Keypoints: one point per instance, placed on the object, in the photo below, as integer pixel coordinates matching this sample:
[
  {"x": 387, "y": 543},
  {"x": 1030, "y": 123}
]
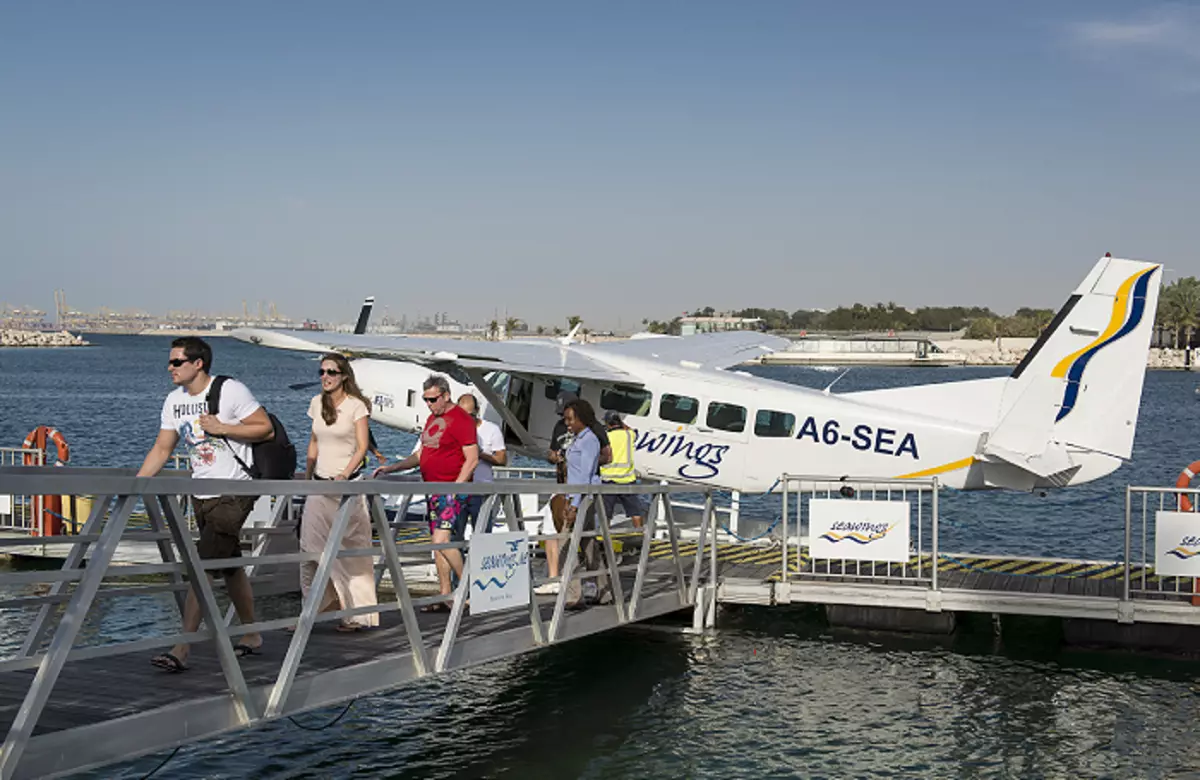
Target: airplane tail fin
[
  {"x": 1079, "y": 388},
  {"x": 364, "y": 315}
]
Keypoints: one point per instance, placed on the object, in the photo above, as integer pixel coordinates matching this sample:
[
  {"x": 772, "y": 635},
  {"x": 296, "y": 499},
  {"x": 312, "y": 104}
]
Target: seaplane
[{"x": 1066, "y": 415}]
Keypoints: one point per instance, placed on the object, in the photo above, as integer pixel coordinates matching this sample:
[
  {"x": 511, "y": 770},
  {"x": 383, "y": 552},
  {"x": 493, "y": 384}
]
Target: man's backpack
[{"x": 274, "y": 458}]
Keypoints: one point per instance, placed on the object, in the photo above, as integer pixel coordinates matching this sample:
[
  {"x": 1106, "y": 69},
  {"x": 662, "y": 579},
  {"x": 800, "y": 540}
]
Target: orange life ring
[
  {"x": 47, "y": 509},
  {"x": 1185, "y": 480}
]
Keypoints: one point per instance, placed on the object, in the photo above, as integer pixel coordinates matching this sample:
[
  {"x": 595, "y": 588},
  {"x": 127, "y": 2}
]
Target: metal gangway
[{"x": 67, "y": 704}]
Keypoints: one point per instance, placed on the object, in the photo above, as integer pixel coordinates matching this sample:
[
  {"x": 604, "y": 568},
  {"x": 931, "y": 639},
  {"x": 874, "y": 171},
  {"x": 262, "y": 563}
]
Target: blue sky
[{"x": 616, "y": 160}]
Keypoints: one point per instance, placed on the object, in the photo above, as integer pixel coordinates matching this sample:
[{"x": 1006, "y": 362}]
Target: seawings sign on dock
[
  {"x": 859, "y": 530},
  {"x": 499, "y": 571},
  {"x": 1177, "y": 544}
]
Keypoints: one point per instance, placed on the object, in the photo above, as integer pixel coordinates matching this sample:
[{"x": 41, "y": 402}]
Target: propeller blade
[{"x": 304, "y": 385}]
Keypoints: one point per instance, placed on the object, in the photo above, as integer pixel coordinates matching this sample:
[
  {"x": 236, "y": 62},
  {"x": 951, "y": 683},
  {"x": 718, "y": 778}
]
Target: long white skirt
[{"x": 352, "y": 580}]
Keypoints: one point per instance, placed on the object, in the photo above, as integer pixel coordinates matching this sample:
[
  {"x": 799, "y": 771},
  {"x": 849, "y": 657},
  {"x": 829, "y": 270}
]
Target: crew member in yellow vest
[{"x": 620, "y": 470}]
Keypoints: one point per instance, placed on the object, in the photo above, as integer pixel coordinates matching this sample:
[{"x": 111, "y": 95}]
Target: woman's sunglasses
[{"x": 328, "y": 372}]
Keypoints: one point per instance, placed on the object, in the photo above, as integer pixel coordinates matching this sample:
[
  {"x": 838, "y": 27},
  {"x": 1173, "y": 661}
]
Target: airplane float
[{"x": 1065, "y": 416}]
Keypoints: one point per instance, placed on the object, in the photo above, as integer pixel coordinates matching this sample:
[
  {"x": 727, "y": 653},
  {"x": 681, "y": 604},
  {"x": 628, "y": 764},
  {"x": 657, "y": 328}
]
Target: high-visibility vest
[{"x": 620, "y": 468}]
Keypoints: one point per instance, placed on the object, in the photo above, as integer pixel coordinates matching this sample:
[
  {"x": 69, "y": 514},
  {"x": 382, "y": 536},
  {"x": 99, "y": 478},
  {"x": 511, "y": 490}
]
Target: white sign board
[
  {"x": 6, "y": 505},
  {"x": 1177, "y": 544},
  {"x": 499, "y": 572},
  {"x": 858, "y": 530}
]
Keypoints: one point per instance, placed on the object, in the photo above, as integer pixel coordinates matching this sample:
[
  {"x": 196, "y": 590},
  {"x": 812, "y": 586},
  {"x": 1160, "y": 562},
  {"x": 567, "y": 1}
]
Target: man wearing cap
[
  {"x": 620, "y": 471},
  {"x": 560, "y": 441}
]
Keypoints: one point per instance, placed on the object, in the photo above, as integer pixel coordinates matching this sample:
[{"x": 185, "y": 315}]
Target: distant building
[{"x": 691, "y": 325}]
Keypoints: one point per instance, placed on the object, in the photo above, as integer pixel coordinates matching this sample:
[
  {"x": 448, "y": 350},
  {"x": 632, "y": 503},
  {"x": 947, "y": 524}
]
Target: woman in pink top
[{"x": 336, "y": 451}]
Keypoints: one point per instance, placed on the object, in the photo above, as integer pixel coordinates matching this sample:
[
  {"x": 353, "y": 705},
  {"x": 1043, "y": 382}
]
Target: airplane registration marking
[{"x": 864, "y": 438}]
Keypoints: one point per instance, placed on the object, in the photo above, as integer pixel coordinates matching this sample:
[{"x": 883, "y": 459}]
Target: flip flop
[
  {"x": 347, "y": 628},
  {"x": 241, "y": 650},
  {"x": 440, "y": 606},
  {"x": 169, "y": 662}
]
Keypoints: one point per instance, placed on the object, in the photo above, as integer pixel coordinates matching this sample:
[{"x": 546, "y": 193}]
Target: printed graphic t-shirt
[
  {"x": 442, "y": 442},
  {"x": 211, "y": 457},
  {"x": 337, "y": 442},
  {"x": 491, "y": 441}
]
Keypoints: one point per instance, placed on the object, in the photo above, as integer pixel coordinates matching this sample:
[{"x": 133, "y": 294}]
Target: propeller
[{"x": 304, "y": 385}]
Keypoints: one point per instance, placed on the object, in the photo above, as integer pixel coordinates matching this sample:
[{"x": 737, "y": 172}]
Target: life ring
[
  {"x": 38, "y": 439},
  {"x": 47, "y": 509},
  {"x": 1184, "y": 481}
]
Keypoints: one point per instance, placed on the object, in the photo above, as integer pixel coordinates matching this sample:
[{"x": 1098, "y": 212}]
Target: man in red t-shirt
[{"x": 448, "y": 453}]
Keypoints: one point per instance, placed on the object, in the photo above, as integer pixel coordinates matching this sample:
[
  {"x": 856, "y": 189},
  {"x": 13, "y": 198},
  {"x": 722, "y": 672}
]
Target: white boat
[{"x": 863, "y": 351}]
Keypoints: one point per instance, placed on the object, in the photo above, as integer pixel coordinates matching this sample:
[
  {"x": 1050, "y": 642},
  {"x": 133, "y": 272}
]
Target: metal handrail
[{"x": 119, "y": 491}]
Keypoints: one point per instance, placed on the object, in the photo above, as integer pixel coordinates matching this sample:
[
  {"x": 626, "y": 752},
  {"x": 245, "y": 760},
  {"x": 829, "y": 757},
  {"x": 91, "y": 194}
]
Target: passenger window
[
  {"x": 412, "y": 398},
  {"x": 678, "y": 408},
  {"x": 770, "y": 424},
  {"x": 556, "y": 386},
  {"x": 726, "y": 417},
  {"x": 626, "y": 400}
]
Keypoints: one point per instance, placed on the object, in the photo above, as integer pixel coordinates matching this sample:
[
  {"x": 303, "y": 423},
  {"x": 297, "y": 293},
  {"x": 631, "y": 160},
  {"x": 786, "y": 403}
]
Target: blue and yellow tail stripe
[{"x": 1127, "y": 312}]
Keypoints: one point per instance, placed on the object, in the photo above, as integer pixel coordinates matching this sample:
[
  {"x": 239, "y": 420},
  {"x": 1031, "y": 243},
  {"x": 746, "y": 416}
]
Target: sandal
[
  {"x": 440, "y": 606},
  {"x": 242, "y": 650},
  {"x": 169, "y": 662}
]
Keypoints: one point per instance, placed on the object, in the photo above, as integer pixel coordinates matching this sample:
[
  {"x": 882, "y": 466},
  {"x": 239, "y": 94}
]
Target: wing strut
[{"x": 488, "y": 392}]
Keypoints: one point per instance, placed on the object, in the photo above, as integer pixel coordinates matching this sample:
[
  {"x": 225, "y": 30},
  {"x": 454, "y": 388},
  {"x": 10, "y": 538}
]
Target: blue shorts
[{"x": 447, "y": 513}]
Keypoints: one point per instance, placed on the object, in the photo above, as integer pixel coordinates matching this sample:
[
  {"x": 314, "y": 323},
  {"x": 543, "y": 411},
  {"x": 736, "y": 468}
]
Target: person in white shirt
[
  {"x": 215, "y": 443},
  {"x": 491, "y": 453}
]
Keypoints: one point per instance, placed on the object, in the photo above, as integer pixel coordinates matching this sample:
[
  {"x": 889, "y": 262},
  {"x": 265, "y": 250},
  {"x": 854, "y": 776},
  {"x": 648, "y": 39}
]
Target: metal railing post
[
  {"x": 934, "y": 536},
  {"x": 401, "y": 514},
  {"x": 37, "y": 632},
  {"x": 460, "y": 602},
  {"x": 618, "y": 593},
  {"x": 635, "y": 600},
  {"x": 787, "y": 486},
  {"x": 568, "y": 569},
  {"x": 202, "y": 588},
  {"x": 673, "y": 536},
  {"x": 167, "y": 553},
  {"x": 308, "y": 615},
  {"x": 711, "y": 618},
  {"x": 64, "y": 638},
  {"x": 1128, "y": 541},
  {"x": 391, "y": 560},
  {"x": 517, "y": 523}
]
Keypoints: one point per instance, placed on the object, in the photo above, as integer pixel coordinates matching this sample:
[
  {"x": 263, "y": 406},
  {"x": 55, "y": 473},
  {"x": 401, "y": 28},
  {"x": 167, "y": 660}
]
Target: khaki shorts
[{"x": 220, "y": 521}]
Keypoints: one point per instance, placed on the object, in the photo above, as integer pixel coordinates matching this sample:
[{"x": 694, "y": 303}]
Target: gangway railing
[
  {"x": 47, "y": 735},
  {"x": 19, "y": 512}
]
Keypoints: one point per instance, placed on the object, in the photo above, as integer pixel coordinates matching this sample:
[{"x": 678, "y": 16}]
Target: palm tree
[
  {"x": 493, "y": 330},
  {"x": 1185, "y": 306},
  {"x": 510, "y": 325},
  {"x": 572, "y": 321},
  {"x": 541, "y": 329}
]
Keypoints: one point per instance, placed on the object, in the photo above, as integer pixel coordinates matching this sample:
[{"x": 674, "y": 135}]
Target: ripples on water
[{"x": 773, "y": 694}]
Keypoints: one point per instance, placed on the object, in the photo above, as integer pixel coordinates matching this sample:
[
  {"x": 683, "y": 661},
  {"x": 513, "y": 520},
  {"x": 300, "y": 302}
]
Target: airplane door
[{"x": 519, "y": 400}]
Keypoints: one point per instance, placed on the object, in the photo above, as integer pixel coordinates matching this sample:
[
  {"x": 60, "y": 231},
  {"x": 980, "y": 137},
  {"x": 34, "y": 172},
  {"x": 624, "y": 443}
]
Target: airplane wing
[
  {"x": 538, "y": 358},
  {"x": 708, "y": 350}
]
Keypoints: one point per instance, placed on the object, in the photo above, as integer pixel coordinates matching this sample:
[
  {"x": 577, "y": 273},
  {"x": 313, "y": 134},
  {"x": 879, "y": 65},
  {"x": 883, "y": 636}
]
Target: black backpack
[{"x": 274, "y": 458}]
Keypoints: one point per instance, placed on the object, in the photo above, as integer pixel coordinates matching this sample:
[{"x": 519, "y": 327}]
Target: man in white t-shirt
[
  {"x": 212, "y": 441},
  {"x": 491, "y": 453}
]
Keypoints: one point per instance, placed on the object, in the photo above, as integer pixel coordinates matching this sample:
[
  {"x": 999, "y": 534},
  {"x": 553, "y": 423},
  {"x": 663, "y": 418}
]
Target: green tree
[
  {"x": 510, "y": 326},
  {"x": 572, "y": 321},
  {"x": 493, "y": 330}
]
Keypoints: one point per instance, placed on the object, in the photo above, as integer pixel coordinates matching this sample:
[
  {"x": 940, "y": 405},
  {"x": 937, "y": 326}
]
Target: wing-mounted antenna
[
  {"x": 567, "y": 340},
  {"x": 829, "y": 386},
  {"x": 364, "y": 316}
]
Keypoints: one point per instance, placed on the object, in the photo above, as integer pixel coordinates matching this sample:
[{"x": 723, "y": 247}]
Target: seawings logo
[
  {"x": 701, "y": 461},
  {"x": 860, "y": 533},
  {"x": 498, "y": 569},
  {"x": 1188, "y": 548}
]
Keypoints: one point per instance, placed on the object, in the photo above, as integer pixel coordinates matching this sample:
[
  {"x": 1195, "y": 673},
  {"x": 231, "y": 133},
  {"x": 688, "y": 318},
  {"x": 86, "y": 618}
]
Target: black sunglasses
[
  {"x": 429, "y": 399},
  {"x": 328, "y": 372},
  {"x": 177, "y": 362}
]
